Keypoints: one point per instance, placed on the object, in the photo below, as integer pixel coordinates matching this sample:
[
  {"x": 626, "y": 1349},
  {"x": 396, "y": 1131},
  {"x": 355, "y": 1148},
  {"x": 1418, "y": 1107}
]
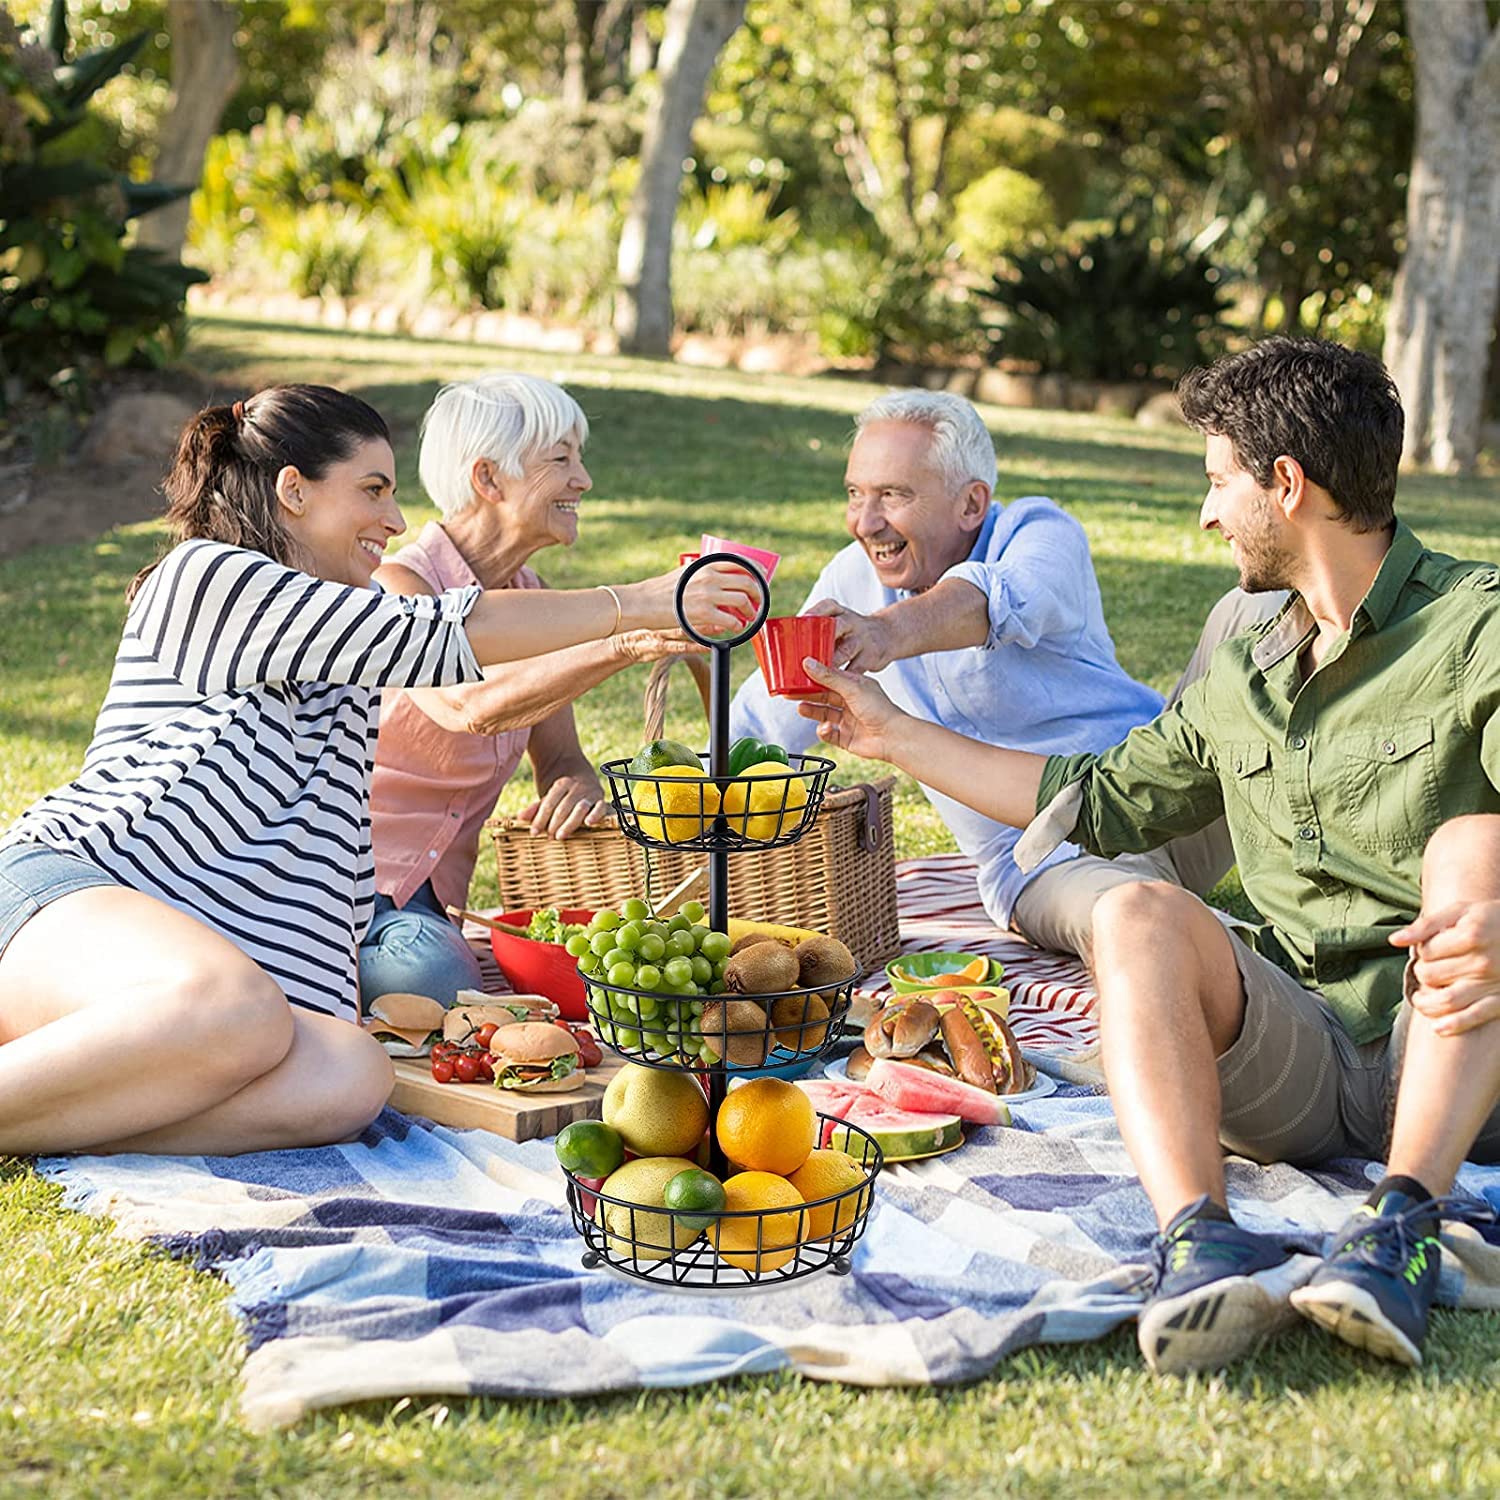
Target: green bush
[
  {"x": 1121, "y": 306},
  {"x": 318, "y": 248},
  {"x": 1000, "y": 213},
  {"x": 562, "y": 259},
  {"x": 71, "y": 292}
]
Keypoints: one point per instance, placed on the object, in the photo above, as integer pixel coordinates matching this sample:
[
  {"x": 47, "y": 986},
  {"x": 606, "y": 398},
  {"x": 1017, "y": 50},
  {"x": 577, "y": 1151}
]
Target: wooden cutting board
[{"x": 481, "y": 1106}]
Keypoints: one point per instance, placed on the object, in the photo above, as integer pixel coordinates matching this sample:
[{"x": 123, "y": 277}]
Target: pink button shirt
[{"x": 433, "y": 787}]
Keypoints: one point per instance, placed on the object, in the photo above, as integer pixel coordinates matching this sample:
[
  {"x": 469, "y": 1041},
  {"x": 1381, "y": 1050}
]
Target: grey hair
[
  {"x": 504, "y": 417},
  {"x": 962, "y": 449}
]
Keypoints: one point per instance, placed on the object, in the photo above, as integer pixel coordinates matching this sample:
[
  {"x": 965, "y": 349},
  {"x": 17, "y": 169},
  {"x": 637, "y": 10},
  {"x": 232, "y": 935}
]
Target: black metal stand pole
[{"x": 718, "y": 873}]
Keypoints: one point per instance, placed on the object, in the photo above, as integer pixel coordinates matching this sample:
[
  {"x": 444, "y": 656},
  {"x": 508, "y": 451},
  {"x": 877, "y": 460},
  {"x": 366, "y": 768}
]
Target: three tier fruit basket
[{"x": 670, "y": 1025}]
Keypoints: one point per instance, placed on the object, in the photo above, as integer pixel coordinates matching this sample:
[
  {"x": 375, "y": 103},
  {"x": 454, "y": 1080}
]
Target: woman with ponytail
[{"x": 178, "y": 924}]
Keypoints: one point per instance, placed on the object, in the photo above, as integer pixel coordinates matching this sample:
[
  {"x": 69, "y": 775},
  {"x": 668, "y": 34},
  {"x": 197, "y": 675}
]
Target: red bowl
[
  {"x": 535, "y": 968},
  {"x": 780, "y": 646}
]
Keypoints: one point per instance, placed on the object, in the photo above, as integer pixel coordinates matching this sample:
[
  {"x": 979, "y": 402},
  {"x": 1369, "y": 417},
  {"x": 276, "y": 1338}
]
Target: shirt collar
[{"x": 1293, "y": 625}]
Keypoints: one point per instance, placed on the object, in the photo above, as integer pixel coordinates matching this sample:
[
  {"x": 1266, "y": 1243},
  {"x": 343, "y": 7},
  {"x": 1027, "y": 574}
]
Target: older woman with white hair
[{"x": 502, "y": 459}]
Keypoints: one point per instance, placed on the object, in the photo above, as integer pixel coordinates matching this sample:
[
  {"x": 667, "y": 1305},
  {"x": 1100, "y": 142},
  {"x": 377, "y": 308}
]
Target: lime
[
  {"x": 590, "y": 1148},
  {"x": 699, "y": 1193},
  {"x": 659, "y": 753}
]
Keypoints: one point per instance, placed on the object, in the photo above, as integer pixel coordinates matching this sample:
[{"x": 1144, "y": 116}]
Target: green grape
[
  {"x": 647, "y": 977},
  {"x": 695, "y": 1009},
  {"x": 621, "y": 973},
  {"x": 717, "y": 987},
  {"x": 699, "y": 932},
  {"x": 634, "y": 910},
  {"x": 657, "y": 1041},
  {"x": 589, "y": 962},
  {"x": 692, "y": 910},
  {"x": 577, "y": 945},
  {"x": 601, "y": 943},
  {"x": 707, "y": 1054},
  {"x": 679, "y": 923},
  {"x": 621, "y": 1008},
  {"x": 718, "y": 969},
  {"x": 681, "y": 943},
  {"x": 678, "y": 971},
  {"x": 629, "y": 937},
  {"x": 647, "y": 1007},
  {"x": 653, "y": 947},
  {"x": 619, "y": 956},
  {"x": 703, "y": 971},
  {"x": 599, "y": 1005},
  {"x": 715, "y": 947},
  {"x": 628, "y": 1038},
  {"x": 606, "y": 921}
]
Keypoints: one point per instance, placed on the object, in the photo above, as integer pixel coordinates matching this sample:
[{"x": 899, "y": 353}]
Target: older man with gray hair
[{"x": 986, "y": 618}]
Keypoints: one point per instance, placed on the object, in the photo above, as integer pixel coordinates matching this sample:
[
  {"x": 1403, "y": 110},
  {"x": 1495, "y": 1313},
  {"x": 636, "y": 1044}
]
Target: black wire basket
[
  {"x": 718, "y": 813},
  {"x": 673, "y": 1030},
  {"x": 732, "y": 1250}
]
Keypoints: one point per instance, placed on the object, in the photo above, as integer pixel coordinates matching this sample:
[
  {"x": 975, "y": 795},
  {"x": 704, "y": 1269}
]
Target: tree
[
  {"x": 696, "y": 30},
  {"x": 1442, "y": 314},
  {"x": 205, "y": 74}
]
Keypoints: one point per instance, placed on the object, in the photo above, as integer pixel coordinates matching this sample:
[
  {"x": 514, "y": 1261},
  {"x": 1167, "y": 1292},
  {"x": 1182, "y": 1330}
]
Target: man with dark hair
[{"x": 1353, "y": 742}]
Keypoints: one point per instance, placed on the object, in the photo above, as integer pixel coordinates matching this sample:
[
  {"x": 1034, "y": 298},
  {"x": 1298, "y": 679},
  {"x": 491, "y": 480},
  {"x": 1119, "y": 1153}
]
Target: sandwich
[
  {"x": 405, "y": 1025},
  {"x": 951, "y": 1034},
  {"x": 473, "y": 1009},
  {"x": 535, "y": 1057}
]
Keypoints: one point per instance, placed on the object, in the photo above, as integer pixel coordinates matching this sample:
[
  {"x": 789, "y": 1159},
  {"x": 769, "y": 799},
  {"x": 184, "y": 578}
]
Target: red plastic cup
[
  {"x": 765, "y": 561},
  {"x": 684, "y": 558},
  {"x": 781, "y": 645}
]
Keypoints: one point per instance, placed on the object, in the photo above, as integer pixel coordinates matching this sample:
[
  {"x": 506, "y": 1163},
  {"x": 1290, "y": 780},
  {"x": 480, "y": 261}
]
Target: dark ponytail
[{"x": 222, "y": 484}]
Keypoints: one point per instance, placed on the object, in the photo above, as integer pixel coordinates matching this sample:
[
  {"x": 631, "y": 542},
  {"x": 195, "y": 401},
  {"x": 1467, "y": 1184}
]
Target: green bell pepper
[{"x": 751, "y": 752}]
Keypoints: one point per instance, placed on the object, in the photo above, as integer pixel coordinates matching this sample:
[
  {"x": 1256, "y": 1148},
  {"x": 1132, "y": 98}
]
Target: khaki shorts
[{"x": 1296, "y": 1089}]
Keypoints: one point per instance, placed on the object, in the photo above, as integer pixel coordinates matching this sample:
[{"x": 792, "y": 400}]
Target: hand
[
  {"x": 863, "y": 643},
  {"x": 568, "y": 804},
  {"x": 719, "y": 600},
  {"x": 652, "y": 645},
  {"x": 852, "y": 713},
  {"x": 1457, "y": 965}
]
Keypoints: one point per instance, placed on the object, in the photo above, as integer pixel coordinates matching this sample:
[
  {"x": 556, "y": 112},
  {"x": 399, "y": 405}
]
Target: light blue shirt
[{"x": 1046, "y": 680}]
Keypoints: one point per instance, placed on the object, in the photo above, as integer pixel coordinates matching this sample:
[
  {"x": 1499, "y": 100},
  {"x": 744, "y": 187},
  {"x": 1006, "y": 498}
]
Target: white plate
[{"x": 1043, "y": 1086}]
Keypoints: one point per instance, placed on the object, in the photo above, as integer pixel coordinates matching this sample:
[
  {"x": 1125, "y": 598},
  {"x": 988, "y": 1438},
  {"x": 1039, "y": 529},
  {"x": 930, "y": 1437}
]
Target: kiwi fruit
[
  {"x": 736, "y": 1030},
  {"x": 751, "y": 938},
  {"x": 763, "y": 968},
  {"x": 801, "y": 1021},
  {"x": 823, "y": 961}
]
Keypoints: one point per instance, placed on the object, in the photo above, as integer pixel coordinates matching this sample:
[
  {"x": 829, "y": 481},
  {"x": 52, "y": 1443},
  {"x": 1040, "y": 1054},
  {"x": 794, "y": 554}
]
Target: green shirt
[{"x": 1331, "y": 784}]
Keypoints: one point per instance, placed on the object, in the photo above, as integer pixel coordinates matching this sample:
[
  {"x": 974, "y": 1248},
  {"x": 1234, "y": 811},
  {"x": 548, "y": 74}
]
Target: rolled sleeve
[{"x": 1159, "y": 783}]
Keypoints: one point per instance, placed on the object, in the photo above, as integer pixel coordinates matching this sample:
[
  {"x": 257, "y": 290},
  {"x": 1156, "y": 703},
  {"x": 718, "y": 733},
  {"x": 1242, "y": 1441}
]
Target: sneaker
[
  {"x": 1219, "y": 1291},
  {"x": 1376, "y": 1284}
]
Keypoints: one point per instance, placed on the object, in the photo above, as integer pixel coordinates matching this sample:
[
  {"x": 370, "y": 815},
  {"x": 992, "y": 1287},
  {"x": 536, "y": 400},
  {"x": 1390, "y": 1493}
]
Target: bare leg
[
  {"x": 1171, "y": 1002},
  {"x": 1449, "y": 1084},
  {"x": 152, "y": 1022}
]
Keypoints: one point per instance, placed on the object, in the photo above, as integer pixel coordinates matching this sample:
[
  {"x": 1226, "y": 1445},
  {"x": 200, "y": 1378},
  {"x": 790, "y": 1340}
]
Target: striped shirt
[{"x": 229, "y": 772}]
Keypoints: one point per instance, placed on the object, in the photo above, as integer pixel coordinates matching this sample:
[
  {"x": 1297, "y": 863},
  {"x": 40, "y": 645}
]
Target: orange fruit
[
  {"x": 766, "y": 1241},
  {"x": 767, "y": 1125},
  {"x": 823, "y": 1174}
]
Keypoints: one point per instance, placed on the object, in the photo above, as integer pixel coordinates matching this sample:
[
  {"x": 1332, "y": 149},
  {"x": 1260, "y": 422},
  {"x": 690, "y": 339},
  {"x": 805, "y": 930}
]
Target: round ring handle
[{"x": 724, "y": 642}]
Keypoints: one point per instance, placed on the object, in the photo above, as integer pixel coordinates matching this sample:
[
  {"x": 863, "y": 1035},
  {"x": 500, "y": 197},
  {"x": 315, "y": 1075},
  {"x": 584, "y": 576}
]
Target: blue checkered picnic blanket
[{"x": 422, "y": 1260}]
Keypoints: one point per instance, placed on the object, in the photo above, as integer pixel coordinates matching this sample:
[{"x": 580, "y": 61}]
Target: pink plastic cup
[
  {"x": 765, "y": 561},
  {"x": 781, "y": 645}
]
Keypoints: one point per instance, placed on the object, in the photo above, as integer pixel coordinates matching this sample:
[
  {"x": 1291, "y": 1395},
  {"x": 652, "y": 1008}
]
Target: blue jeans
[{"x": 415, "y": 950}]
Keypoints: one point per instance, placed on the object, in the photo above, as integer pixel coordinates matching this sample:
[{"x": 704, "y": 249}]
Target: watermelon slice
[
  {"x": 931, "y": 1093},
  {"x": 900, "y": 1133}
]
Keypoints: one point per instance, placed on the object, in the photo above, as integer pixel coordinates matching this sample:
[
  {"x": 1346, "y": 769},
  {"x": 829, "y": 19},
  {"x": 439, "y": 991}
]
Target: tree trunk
[
  {"x": 205, "y": 74},
  {"x": 1442, "y": 313},
  {"x": 696, "y": 31}
]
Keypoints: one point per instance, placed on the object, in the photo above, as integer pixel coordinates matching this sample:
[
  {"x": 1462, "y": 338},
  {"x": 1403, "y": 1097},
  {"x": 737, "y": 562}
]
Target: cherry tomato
[
  {"x": 485, "y": 1032},
  {"x": 466, "y": 1068},
  {"x": 442, "y": 1070},
  {"x": 588, "y": 1050},
  {"x": 443, "y": 1051},
  {"x": 486, "y": 1069}
]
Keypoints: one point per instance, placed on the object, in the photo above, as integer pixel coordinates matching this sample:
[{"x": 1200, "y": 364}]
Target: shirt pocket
[
  {"x": 1388, "y": 783},
  {"x": 1250, "y": 791}
]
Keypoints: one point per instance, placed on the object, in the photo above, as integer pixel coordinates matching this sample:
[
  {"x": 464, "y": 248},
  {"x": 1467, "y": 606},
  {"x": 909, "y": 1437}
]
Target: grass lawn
[{"x": 118, "y": 1367}]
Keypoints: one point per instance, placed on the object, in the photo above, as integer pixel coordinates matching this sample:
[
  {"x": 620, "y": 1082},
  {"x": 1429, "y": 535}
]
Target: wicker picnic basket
[{"x": 839, "y": 878}]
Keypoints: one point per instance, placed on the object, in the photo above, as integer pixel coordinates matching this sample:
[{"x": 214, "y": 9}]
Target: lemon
[
  {"x": 766, "y": 810},
  {"x": 672, "y": 813},
  {"x": 763, "y": 1241}
]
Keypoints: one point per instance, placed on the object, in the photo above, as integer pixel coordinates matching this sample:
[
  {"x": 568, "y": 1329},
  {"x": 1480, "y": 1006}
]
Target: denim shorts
[{"x": 32, "y": 875}]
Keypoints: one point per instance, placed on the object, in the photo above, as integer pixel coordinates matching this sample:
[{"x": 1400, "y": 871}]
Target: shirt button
[
  {"x": 1307, "y": 833},
  {"x": 1389, "y": 747},
  {"x": 432, "y": 854},
  {"x": 1300, "y": 743}
]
